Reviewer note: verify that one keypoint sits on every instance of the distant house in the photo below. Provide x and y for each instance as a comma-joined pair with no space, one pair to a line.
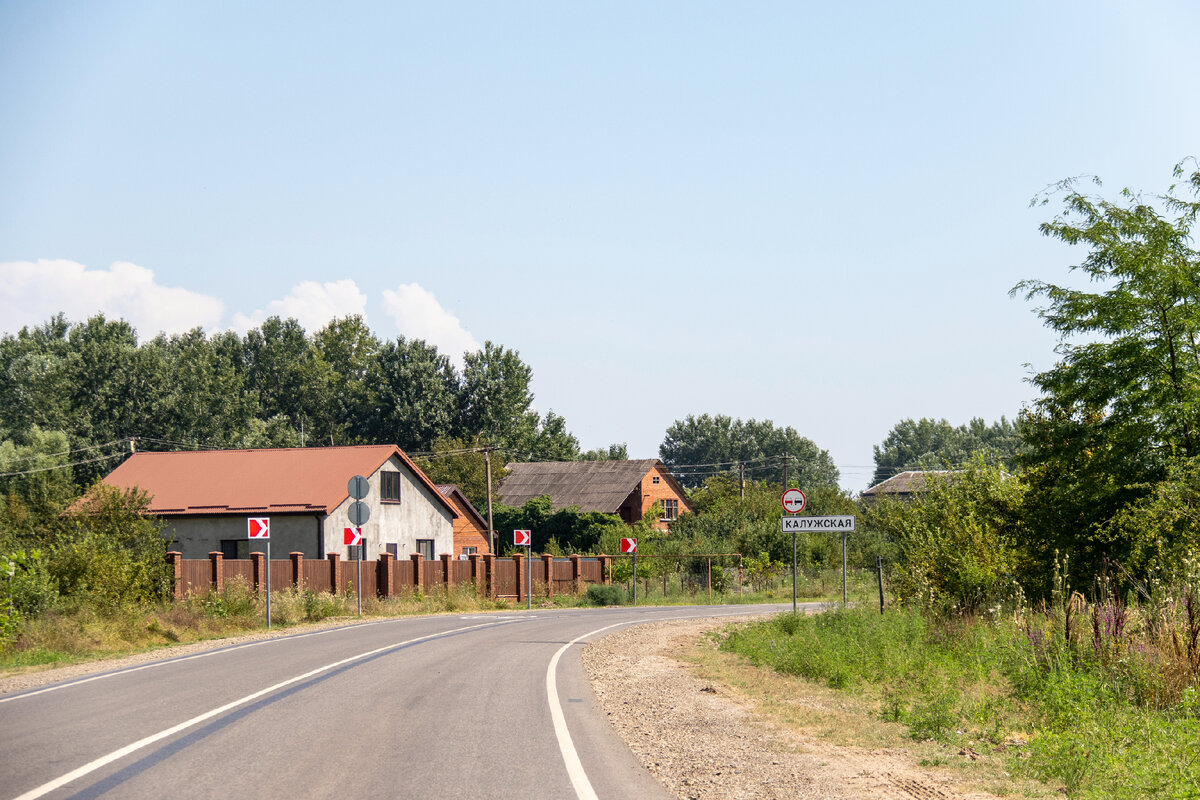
626,488
907,485
470,528
205,498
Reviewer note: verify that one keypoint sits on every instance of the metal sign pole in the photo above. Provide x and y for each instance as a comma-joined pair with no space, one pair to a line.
843,568
359,582
529,575
793,572
268,584
635,576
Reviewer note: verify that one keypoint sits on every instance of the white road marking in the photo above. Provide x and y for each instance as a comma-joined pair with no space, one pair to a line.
180,659
92,766
579,779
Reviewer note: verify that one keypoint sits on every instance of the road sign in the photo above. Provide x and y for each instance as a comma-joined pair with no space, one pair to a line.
521,538
629,545
359,514
258,527
793,501
352,536
358,487
801,524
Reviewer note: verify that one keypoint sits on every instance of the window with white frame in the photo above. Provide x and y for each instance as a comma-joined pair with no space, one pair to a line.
670,510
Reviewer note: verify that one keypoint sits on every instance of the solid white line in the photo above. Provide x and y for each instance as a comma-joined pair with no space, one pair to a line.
92,766
178,660
579,780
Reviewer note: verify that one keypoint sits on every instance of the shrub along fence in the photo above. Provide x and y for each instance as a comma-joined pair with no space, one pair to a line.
492,576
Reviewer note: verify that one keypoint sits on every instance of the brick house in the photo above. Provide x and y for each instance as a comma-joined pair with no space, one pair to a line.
470,528
907,485
205,498
626,488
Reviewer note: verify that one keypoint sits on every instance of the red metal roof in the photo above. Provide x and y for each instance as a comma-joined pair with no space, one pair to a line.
299,480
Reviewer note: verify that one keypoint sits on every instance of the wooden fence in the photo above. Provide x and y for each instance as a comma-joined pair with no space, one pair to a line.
388,576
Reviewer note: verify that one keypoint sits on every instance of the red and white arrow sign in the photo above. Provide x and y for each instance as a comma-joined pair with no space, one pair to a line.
352,536
629,545
258,527
521,538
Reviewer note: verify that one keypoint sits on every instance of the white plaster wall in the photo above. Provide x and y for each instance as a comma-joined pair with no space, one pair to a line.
418,515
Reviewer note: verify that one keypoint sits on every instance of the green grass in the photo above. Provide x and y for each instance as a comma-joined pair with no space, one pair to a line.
1088,725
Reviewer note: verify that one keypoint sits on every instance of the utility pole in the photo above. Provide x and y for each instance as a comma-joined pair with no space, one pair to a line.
785,466
742,479
487,465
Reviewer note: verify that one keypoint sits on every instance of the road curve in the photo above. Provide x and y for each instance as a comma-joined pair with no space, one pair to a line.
474,706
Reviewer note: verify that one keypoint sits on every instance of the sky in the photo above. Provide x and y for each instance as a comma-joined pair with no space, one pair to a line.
808,213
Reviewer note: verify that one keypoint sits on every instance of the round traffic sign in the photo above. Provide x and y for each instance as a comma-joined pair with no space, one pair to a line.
359,513
793,501
358,487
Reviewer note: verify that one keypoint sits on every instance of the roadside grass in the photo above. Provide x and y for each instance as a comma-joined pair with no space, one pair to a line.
852,720
1110,712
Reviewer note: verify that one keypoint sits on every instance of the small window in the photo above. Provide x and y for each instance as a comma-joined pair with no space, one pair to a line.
470,551
425,548
389,487
392,548
654,479
232,549
670,510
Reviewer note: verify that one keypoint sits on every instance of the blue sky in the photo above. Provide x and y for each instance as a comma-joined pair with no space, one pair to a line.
810,213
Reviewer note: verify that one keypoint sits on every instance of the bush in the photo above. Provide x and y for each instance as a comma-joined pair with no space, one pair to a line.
600,594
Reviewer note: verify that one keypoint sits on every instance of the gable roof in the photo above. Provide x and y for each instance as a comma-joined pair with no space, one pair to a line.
909,482
292,480
452,491
590,485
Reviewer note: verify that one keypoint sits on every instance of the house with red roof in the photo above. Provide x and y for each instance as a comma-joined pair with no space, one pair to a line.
206,497
470,529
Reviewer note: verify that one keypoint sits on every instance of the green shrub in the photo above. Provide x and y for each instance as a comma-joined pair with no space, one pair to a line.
600,594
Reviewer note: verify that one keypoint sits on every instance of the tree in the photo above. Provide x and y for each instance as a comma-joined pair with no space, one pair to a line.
614,452
929,444
463,464
352,352
696,447
289,376
413,398
1123,401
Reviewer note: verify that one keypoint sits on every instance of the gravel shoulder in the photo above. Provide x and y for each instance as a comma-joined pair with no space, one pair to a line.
704,741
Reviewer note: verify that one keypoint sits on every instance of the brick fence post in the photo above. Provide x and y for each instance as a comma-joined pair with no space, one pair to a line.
418,572
489,569
548,560
175,559
259,572
334,572
218,570
576,571
386,575
521,570
297,569
476,577
447,571
606,568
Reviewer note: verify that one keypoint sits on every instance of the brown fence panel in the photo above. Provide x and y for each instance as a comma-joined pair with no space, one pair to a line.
537,571
591,570
562,575
402,573
196,576
460,571
348,577
239,569
316,576
431,576
505,577
281,574
370,579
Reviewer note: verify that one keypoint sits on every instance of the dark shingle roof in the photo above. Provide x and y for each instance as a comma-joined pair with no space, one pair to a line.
590,485
907,482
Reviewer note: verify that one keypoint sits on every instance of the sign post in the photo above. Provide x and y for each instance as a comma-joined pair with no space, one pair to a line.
794,501
525,539
630,546
359,513
843,523
260,528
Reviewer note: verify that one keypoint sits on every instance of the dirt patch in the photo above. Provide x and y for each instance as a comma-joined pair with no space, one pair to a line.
705,741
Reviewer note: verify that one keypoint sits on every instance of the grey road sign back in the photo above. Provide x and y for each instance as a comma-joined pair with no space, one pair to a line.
358,487
359,514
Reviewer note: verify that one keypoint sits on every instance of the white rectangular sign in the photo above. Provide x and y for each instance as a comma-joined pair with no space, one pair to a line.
801,524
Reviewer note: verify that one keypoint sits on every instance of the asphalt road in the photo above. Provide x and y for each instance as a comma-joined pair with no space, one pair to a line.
475,706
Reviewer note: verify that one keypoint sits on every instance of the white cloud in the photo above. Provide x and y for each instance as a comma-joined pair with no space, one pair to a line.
312,304
418,315
32,292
